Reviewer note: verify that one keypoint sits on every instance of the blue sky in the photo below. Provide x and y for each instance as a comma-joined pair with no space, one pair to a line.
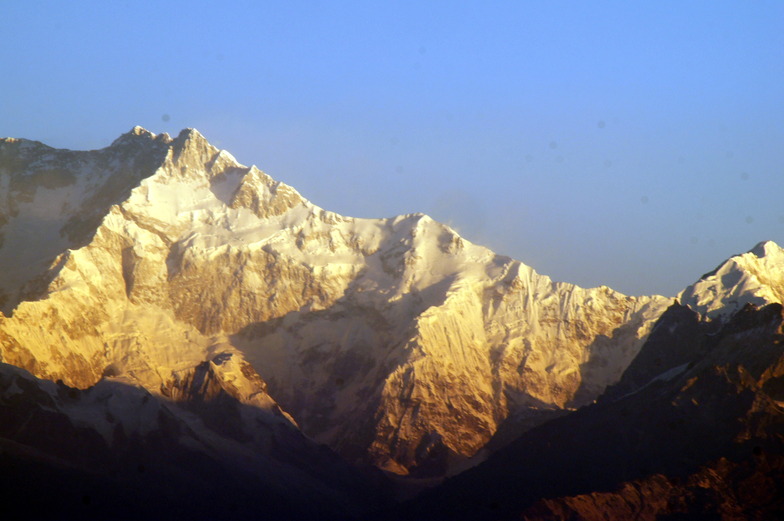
631,144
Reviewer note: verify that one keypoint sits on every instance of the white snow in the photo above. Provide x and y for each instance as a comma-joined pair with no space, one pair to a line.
755,277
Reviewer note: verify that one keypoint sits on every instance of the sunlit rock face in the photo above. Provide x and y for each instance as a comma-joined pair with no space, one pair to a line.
394,341
693,430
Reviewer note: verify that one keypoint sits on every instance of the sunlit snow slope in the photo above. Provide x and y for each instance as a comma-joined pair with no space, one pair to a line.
395,341
755,277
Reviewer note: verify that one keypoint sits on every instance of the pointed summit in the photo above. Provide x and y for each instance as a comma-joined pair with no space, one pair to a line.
133,135
755,277
140,131
766,248
192,148
189,134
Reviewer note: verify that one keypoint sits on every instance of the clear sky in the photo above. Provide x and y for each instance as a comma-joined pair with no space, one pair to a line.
631,144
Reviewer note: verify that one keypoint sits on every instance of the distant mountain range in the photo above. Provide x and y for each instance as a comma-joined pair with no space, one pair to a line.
175,323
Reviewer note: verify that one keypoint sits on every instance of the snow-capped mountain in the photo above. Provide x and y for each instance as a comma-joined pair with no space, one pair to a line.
755,277
158,298
53,200
394,341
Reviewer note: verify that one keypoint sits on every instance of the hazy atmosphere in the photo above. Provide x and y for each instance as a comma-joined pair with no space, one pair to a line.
629,145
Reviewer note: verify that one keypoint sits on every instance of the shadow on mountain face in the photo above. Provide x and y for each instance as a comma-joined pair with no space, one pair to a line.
723,404
354,370
107,177
68,454
603,354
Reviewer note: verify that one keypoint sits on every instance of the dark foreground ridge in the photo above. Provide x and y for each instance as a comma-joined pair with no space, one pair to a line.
176,467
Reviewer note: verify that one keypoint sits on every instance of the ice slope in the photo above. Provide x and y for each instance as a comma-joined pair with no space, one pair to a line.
395,341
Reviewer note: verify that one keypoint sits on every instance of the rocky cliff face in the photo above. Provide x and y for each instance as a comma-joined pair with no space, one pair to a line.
394,341
700,440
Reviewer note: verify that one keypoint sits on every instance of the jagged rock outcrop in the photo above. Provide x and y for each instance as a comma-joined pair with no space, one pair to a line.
394,341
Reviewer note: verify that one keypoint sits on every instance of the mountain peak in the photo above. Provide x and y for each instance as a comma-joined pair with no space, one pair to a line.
766,248
139,133
752,277
191,139
192,150
190,133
